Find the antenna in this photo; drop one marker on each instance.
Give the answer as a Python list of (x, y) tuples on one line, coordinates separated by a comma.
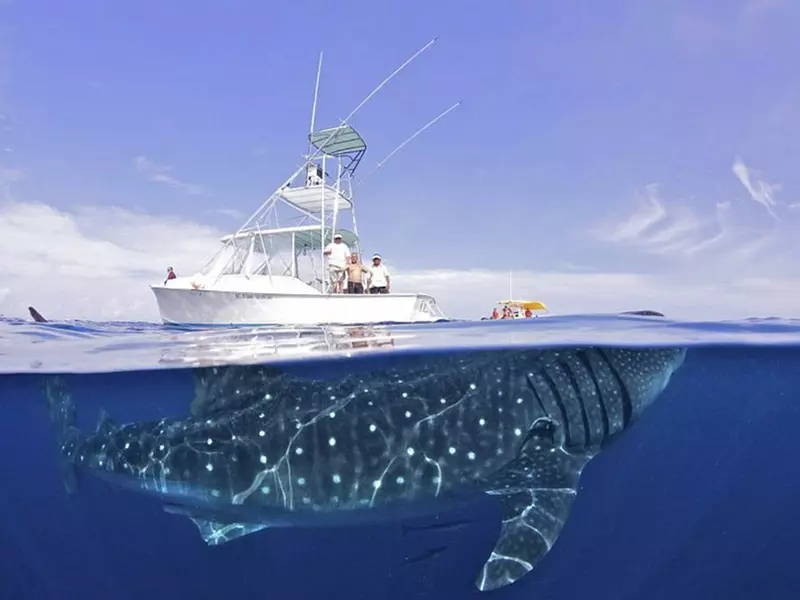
[(333, 134), (401, 146), (314, 106)]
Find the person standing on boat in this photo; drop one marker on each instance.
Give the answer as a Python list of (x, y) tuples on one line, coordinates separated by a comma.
[(337, 253), (354, 270), (378, 277), (170, 275)]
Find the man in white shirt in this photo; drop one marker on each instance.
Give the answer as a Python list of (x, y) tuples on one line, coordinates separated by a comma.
[(337, 253), (378, 277)]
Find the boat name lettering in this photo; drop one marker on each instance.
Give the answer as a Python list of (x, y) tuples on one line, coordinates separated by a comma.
[(245, 296)]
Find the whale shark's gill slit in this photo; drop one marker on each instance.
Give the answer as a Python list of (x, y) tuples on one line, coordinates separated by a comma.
[(627, 403), (425, 556), (587, 364), (536, 397), (573, 381), (562, 408)]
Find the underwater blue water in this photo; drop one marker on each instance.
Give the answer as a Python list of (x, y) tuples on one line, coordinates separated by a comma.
[(697, 500)]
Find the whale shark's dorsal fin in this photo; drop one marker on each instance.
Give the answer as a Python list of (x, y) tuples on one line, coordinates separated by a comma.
[(536, 491), (36, 315), (105, 424)]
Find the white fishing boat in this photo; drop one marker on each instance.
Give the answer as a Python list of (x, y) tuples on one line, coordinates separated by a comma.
[(272, 271)]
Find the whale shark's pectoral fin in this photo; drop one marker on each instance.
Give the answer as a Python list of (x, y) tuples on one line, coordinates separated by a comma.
[(216, 532), (536, 490)]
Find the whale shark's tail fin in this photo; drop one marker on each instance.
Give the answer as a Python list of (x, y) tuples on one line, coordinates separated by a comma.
[(62, 413)]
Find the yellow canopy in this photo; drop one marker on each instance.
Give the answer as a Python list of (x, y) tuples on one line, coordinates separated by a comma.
[(524, 304)]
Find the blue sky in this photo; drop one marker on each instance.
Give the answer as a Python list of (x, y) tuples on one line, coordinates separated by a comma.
[(593, 138)]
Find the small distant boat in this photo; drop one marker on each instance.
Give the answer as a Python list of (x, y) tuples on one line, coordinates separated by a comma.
[(517, 309), (523, 305), (272, 270)]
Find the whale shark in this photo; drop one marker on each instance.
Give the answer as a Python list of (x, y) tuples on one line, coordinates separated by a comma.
[(267, 447)]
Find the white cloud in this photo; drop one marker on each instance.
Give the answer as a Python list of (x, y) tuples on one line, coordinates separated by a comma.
[(162, 174), (649, 212), (97, 262), (760, 191), (93, 262), (719, 237), (660, 228), (230, 213)]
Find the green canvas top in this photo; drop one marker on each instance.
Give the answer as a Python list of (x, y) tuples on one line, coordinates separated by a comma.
[(343, 140), (313, 239), (282, 241)]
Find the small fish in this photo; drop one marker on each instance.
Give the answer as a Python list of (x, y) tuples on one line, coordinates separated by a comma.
[(518, 424)]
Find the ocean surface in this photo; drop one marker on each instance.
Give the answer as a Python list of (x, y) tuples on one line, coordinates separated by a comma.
[(696, 499)]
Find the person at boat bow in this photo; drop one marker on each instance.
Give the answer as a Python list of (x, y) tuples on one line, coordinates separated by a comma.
[(354, 270), (378, 280), (337, 253), (170, 275)]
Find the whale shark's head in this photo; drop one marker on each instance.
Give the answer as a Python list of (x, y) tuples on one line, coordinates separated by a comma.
[(647, 372)]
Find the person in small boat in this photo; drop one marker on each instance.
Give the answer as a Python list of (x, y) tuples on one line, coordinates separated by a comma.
[(170, 275), (378, 280), (528, 313), (355, 269), (495, 314), (337, 253)]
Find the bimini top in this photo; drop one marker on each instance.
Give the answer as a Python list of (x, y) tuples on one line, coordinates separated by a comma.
[(280, 240), (343, 140), (524, 304), (312, 240)]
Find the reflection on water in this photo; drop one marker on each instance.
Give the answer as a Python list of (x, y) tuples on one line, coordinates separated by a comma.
[(257, 344)]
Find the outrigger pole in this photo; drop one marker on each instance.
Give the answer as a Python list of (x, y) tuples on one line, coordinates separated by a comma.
[(334, 133), (401, 146), (314, 106), (388, 156)]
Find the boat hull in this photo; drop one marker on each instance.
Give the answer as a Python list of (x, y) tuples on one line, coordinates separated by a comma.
[(217, 307)]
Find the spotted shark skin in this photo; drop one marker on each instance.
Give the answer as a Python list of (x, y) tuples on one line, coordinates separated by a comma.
[(519, 425)]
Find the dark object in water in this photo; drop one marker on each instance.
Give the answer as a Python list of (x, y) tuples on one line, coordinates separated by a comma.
[(36, 315), (643, 313)]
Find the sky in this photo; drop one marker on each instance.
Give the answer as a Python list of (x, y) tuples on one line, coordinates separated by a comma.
[(613, 155)]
